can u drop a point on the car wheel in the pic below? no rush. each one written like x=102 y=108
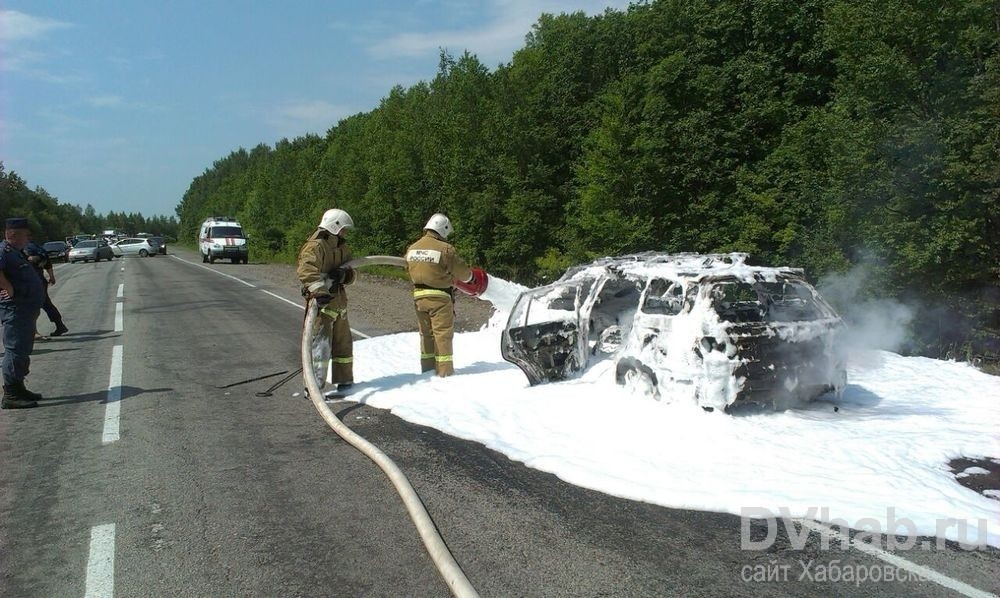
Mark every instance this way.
x=211 y=258
x=204 y=258
x=637 y=378
x=245 y=260
x=143 y=253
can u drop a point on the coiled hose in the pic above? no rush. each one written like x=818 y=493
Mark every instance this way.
x=442 y=557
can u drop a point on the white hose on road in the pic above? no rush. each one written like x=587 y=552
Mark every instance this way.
x=442 y=557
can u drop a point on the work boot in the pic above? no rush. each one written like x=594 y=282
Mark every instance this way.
x=24 y=393
x=343 y=386
x=12 y=400
x=60 y=329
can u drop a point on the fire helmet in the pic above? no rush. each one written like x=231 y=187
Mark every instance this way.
x=440 y=224
x=335 y=221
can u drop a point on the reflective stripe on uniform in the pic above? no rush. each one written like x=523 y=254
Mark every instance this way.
x=418 y=293
x=333 y=313
x=426 y=356
x=441 y=358
x=343 y=360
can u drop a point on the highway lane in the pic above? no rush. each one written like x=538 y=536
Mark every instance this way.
x=215 y=491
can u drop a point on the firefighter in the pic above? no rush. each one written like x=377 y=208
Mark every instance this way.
x=323 y=276
x=436 y=269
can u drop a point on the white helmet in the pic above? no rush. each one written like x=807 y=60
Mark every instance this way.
x=335 y=221
x=440 y=224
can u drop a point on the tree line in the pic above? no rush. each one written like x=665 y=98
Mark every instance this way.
x=819 y=133
x=54 y=221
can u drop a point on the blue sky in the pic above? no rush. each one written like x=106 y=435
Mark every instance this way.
x=120 y=104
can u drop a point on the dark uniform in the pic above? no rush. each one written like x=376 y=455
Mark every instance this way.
x=434 y=266
x=39 y=258
x=323 y=253
x=18 y=314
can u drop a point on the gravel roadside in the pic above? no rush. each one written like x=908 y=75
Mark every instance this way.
x=385 y=302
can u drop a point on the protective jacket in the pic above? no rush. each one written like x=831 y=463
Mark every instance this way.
x=434 y=264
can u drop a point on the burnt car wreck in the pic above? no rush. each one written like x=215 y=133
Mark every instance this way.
x=704 y=328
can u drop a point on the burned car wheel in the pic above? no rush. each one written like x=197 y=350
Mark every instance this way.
x=637 y=378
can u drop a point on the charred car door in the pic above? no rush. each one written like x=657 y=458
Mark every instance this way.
x=543 y=336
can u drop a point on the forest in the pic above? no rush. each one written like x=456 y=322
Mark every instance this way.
x=54 y=221
x=825 y=134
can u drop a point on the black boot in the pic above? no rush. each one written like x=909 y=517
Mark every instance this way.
x=13 y=400
x=60 y=329
x=24 y=393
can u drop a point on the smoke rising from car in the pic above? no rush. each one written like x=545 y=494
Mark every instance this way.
x=873 y=323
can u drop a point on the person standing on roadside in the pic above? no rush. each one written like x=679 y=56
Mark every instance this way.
x=39 y=258
x=435 y=268
x=323 y=276
x=21 y=298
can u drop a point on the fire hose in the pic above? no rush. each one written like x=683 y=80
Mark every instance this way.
x=439 y=553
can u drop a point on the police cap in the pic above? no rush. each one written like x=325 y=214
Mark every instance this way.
x=15 y=223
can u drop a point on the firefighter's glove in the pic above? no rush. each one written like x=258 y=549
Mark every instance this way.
x=341 y=276
x=322 y=298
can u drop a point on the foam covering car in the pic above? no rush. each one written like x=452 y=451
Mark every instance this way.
x=705 y=328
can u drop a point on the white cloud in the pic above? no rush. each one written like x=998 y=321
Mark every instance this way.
x=17 y=26
x=105 y=101
x=493 y=41
x=17 y=31
x=306 y=116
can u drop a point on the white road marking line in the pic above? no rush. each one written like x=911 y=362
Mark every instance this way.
x=216 y=271
x=112 y=411
x=101 y=562
x=300 y=306
x=875 y=551
x=357 y=332
x=121 y=290
x=119 y=317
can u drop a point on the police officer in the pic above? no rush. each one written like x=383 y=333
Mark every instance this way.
x=323 y=277
x=21 y=298
x=39 y=258
x=435 y=267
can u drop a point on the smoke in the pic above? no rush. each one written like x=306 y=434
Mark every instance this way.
x=873 y=323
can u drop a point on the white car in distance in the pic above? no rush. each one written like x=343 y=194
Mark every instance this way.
x=133 y=246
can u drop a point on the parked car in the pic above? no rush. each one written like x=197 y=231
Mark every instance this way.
x=90 y=250
x=709 y=329
x=57 y=250
x=134 y=246
x=161 y=243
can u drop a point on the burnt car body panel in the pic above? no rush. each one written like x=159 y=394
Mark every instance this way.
x=707 y=328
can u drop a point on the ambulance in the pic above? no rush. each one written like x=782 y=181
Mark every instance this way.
x=221 y=237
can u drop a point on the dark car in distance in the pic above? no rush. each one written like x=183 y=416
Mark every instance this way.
x=57 y=251
x=161 y=243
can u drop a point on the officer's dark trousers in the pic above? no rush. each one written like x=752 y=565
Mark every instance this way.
x=50 y=309
x=18 y=339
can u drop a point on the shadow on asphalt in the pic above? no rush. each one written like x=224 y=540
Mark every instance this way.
x=100 y=396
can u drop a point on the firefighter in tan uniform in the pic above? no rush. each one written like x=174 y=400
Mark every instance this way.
x=435 y=269
x=323 y=277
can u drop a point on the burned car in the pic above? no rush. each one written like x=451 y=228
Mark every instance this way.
x=705 y=328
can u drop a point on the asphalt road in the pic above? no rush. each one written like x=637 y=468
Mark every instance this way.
x=209 y=491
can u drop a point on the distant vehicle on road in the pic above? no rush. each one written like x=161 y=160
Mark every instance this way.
x=91 y=250
x=221 y=237
x=134 y=246
x=57 y=250
x=161 y=244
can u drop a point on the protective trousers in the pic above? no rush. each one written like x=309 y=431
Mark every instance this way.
x=341 y=341
x=436 y=320
x=18 y=340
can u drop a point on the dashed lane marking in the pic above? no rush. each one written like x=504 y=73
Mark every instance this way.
x=101 y=562
x=112 y=410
